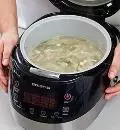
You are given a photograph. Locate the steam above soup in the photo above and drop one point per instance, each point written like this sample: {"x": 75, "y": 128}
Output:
{"x": 65, "y": 54}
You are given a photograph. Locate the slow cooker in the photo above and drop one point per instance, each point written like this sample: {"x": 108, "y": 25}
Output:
{"x": 42, "y": 99}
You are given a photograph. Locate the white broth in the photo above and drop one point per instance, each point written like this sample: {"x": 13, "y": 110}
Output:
{"x": 65, "y": 54}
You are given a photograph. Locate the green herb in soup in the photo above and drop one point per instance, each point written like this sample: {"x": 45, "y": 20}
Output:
{"x": 65, "y": 54}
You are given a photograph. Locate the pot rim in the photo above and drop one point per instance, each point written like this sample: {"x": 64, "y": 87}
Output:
{"x": 90, "y": 3}
{"x": 59, "y": 17}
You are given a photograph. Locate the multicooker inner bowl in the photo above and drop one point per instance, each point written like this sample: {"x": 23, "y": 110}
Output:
{"x": 67, "y": 25}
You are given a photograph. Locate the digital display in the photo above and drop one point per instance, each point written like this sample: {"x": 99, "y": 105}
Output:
{"x": 40, "y": 100}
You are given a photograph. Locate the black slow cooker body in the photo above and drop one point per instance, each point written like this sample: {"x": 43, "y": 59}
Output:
{"x": 56, "y": 100}
{"x": 60, "y": 100}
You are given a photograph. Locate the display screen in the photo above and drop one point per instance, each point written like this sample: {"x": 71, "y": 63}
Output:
{"x": 40, "y": 100}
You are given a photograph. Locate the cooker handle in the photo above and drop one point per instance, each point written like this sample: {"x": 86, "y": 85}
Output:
{"x": 44, "y": 73}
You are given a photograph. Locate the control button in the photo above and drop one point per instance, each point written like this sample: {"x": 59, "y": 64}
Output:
{"x": 15, "y": 97}
{"x": 67, "y": 96}
{"x": 19, "y": 105}
{"x": 32, "y": 111}
{"x": 16, "y": 84}
{"x": 56, "y": 114}
{"x": 16, "y": 90}
{"x": 43, "y": 113}
{"x": 15, "y": 87}
{"x": 65, "y": 109}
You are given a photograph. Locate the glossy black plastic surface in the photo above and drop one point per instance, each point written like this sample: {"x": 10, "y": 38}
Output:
{"x": 94, "y": 12}
{"x": 57, "y": 101}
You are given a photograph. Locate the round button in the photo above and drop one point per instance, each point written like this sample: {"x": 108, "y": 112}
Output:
{"x": 43, "y": 113}
{"x": 67, "y": 96}
{"x": 56, "y": 114}
{"x": 32, "y": 111}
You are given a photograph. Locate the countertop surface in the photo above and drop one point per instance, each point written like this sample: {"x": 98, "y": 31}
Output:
{"x": 108, "y": 119}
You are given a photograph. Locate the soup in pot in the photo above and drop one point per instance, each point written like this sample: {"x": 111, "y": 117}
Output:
{"x": 65, "y": 54}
